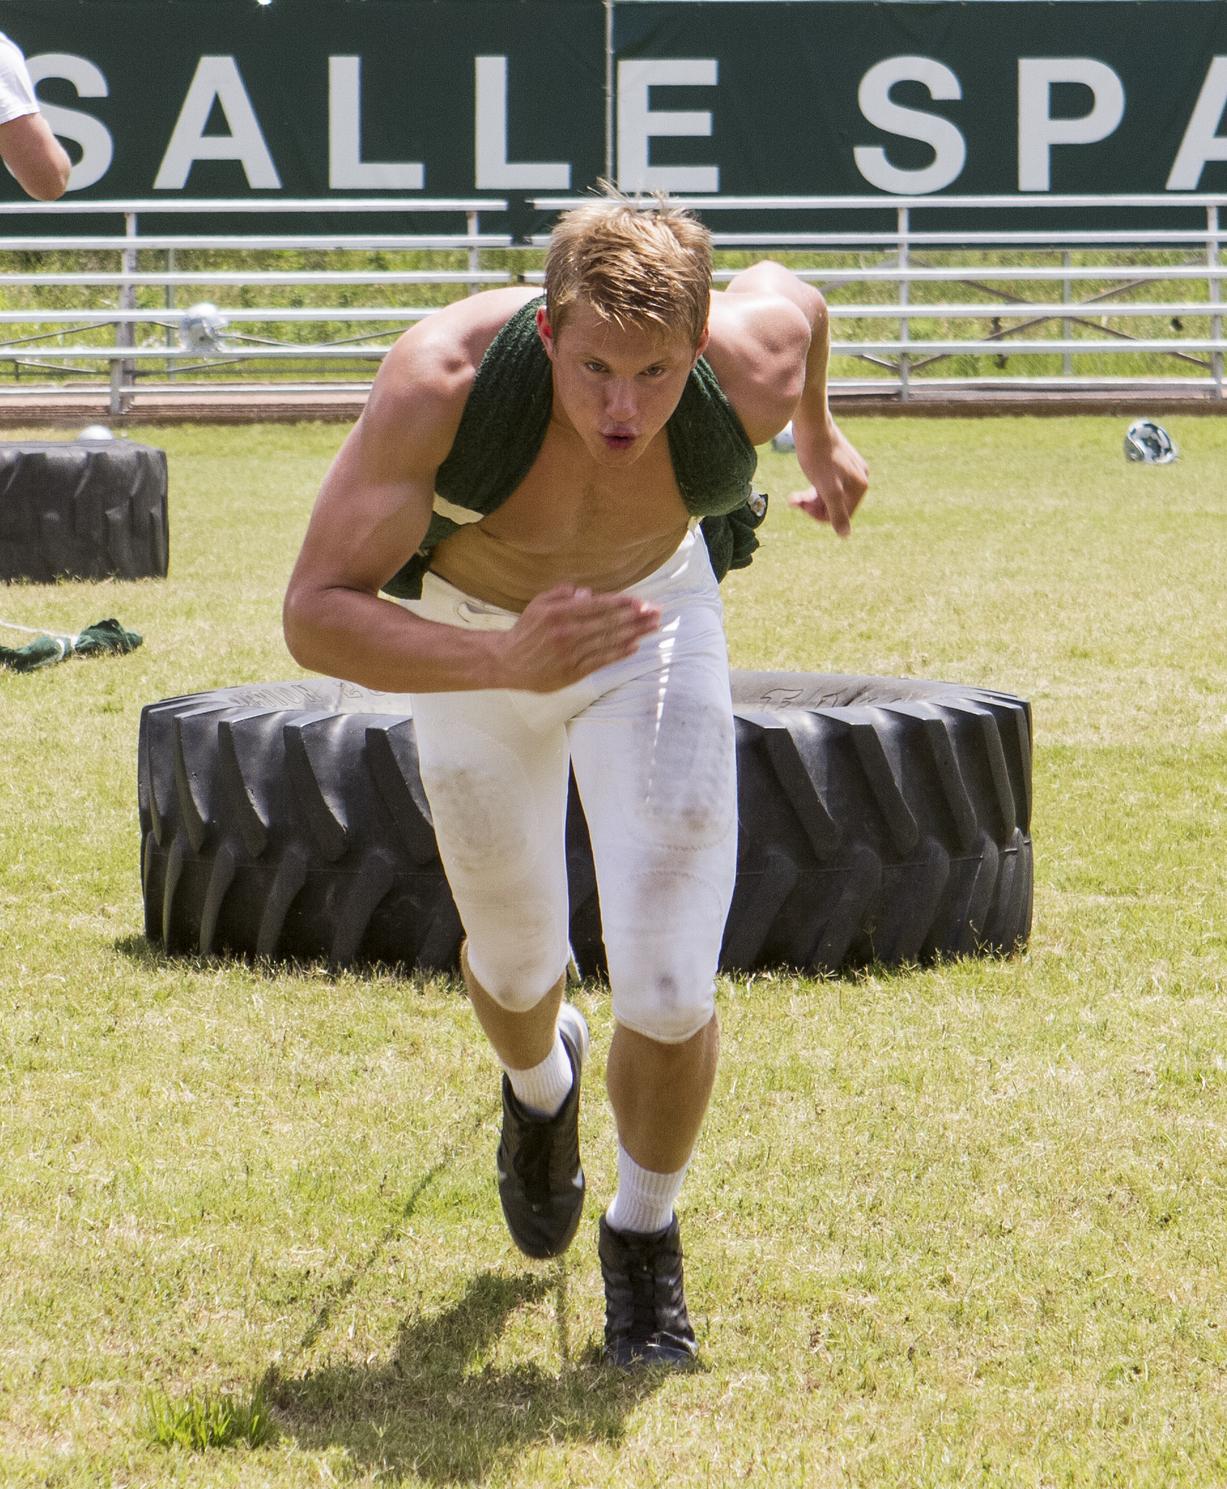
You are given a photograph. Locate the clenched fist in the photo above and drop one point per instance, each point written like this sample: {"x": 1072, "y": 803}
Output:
{"x": 566, "y": 633}
{"x": 838, "y": 474}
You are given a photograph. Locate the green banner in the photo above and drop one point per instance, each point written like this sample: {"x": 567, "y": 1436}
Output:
{"x": 521, "y": 98}
{"x": 916, "y": 99}
{"x": 315, "y": 98}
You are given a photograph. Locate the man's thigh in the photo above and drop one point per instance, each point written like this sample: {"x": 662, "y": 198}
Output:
{"x": 497, "y": 790}
{"x": 656, "y": 767}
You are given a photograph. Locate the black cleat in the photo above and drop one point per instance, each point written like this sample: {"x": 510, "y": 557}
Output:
{"x": 645, "y": 1308}
{"x": 540, "y": 1178}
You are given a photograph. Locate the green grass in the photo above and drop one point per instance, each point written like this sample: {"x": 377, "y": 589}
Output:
{"x": 950, "y": 1226}
{"x": 201, "y": 1421}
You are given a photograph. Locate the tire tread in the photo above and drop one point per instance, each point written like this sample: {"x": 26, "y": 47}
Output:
{"x": 880, "y": 820}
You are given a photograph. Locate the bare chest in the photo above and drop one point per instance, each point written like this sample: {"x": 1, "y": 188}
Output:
{"x": 571, "y": 522}
{"x": 566, "y": 503}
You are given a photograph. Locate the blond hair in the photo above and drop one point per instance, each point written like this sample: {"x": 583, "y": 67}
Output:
{"x": 641, "y": 266}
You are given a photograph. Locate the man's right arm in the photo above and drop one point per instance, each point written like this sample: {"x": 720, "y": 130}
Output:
{"x": 370, "y": 517}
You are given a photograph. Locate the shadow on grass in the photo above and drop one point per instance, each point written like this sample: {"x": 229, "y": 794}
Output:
{"x": 142, "y": 950}
{"x": 437, "y": 1406}
{"x": 439, "y": 1409}
{"x": 152, "y": 954}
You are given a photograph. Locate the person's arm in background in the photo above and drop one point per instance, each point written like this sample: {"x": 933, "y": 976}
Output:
{"x": 27, "y": 146}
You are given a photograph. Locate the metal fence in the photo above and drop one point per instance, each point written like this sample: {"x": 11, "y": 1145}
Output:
{"x": 127, "y": 349}
{"x": 927, "y": 294}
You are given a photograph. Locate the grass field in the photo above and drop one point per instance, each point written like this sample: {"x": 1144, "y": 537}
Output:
{"x": 948, "y": 1226}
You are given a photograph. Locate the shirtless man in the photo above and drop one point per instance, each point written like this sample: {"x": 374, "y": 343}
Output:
{"x": 27, "y": 146}
{"x": 541, "y": 467}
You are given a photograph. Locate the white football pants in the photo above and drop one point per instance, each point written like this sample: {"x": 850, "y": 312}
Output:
{"x": 650, "y": 739}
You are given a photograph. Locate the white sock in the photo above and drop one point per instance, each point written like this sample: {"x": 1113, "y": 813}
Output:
{"x": 542, "y": 1089}
{"x": 644, "y": 1201}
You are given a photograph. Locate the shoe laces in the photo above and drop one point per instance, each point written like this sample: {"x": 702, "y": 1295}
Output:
{"x": 653, "y": 1288}
{"x": 532, "y": 1161}
{"x": 642, "y": 1278}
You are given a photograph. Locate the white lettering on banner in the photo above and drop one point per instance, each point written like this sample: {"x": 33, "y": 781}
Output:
{"x": 97, "y": 147}
{"x": 944, "y": 138}
{"x": 1038, "y": 131}
{"x": 346, "y": 168}
{"x": 1201, "y": 143}
{"x": 217, "y": 80}
{"x": 492, "y": 170}
{"x": 218, "y": 86}
{"x": 638, "y": 124}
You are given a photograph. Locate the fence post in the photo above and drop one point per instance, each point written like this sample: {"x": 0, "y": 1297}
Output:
{"x": 905, "y": 330}
{"x": 1214, "y": 287}
{"x": 122, "y": 369}
{"x": 1067, "y": 328}
{"x": 171, "y": 297}
{"x": 609, "y": 92}
{"x": 470, "y": 223}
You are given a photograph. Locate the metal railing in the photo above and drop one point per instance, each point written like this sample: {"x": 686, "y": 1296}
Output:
{"x": 889, "y": 273}
{"x": 36, "y": 340}
{"x": 917, "y": 306}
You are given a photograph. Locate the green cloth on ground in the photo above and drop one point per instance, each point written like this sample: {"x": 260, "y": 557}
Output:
{"x": 94, "y": 641}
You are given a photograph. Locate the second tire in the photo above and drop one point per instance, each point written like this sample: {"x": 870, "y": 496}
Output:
{"x": 82, "y": 509}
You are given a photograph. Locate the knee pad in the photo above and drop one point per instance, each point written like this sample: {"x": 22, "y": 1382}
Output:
{"x": 516, "y": 985}
{"x": 664, "y": 1006}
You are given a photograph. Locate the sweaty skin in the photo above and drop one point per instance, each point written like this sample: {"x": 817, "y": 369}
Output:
{"x": 598, "y": 510}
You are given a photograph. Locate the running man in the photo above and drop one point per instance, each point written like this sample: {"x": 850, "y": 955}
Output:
{"x": 524, "y": 530}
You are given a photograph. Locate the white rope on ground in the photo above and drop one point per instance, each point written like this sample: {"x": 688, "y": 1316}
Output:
{"x": 11, "y": 625}
{"x": 70, "y": 636}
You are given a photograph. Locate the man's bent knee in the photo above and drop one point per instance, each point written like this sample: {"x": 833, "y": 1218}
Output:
{"x": 662, "y": 1008}
{"x": 517, "y": 984}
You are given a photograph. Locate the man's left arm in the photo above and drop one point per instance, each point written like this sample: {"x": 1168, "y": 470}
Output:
{"x": 835, "y": 469}
{"x": 27, "y": 146}
{"x": 837, "y": 473}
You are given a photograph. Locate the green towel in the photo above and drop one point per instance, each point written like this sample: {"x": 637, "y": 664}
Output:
{"x": 45, "y": 651}
{"x": 504, "y": 424}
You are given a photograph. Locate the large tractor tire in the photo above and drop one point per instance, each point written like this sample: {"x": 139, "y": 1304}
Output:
{"x": 881, "y": 820}
{"x": 83, "y": 509}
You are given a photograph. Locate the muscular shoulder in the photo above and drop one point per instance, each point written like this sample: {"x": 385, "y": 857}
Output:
{"x": 759, "y": 343}
{"x": 442, "y": 353}
{"x": 426, "y": 378}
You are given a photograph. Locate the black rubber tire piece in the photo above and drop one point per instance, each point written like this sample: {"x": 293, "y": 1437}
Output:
{"x": 881, "y": 820}
{"x": 82, "y": 509}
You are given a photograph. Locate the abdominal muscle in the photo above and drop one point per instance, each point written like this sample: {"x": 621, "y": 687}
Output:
{"x": 499, "y": 573}
{"x": 604, "y": 533}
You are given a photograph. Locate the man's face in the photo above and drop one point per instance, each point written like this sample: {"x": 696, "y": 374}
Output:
{"x": 615, "y": 387}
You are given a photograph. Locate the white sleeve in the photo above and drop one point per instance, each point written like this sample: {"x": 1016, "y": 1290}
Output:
{"x": 16, "y": 89}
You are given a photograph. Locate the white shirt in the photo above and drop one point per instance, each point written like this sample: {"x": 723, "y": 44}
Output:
{"x": 16, "y": 89}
